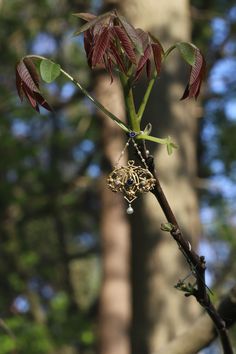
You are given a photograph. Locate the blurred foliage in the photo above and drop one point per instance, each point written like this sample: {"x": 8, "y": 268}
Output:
{"x": 49, "y": 254}
{"x": 215, "y": 31}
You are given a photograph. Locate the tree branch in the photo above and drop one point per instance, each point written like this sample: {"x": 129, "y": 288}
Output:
{"x": 202, "y": 332}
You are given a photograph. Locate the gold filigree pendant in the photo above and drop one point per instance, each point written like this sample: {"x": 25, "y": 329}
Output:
{"x": 131, "y": 180}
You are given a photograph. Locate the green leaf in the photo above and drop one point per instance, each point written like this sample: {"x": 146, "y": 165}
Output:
{"x": 187, "y": 51}
{"x": 49, "y": 70}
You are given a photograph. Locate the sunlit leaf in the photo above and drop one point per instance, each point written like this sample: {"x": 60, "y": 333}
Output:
{"x": 49, "y": 70}
{"x": 196, "y": 76}
{"x": 188, "y": 52}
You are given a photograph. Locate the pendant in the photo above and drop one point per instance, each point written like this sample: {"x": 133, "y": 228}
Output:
{"x": 131, "y": 180}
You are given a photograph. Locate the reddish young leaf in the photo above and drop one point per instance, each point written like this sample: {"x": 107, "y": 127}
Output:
{"x": 117, "y": 58}
{"x": 148, "y": 69}
{"x": 196, "y": 76}
{"x": 27, "y": 83}
{"x": 109, "y": 66}
{"x": 156, "y": 40}
{"x": 126, "y": 43}
{"x": 102, "y": 18}
{"x": 26, "y": 73}
{"x": 41, "y": 100}
{"x": 32, "y": 70}
{"x": 144, "y": 38}
{"x": 157, "y": 55}
{"x": 142, "y": 61}
{"x": 85, "y": 16}
{"x": 131, "y": 33}
{"x": 30, "y": 96}
{"x": 144, "y": 58}
{"x": 88, "y": 45}
{"x": 101, "y": 45}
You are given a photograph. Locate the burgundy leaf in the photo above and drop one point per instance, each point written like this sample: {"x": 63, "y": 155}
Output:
{"x": 143, "y": 60}
{"x": 102, "y": 18}
{"x": 126, "y": 43}
{"x": 131, "y": 33}
{"x": 25, "y": 74}
{"x": 88, "y": 45}
{"x": 32, "y": 70}
{"x": 27, "y": 84}
{"x": 85, "y": 16}
{"x": 19, "y": 83}
{"x": 155, "y": 40}
{"x": 100, "y": 46}
{"x": 157, "y": 55}
{"x": 117, "y": 58}
{"x": 97, "y": 29}
{"x": 31, "y": 97}
{"x": 109, "y": 65}
{"x": 196, "y": 76}
{"x": 144, "y": 37}
{"x": 41, "y": 100}
{"x": 148, "y": 68}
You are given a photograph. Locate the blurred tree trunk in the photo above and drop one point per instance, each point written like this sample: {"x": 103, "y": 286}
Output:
{"x": 114, "y": 311}
{"x": 159, "y": 311}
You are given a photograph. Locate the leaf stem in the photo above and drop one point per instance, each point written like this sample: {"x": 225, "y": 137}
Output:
{"x": 169, "y": 50}
{"x": 146, "y": 97}
{"x": 121, "y": 124}
{"x": 154, "y": 139}
{"x": 96, "y": 102}
{"x": 129, "y": 103}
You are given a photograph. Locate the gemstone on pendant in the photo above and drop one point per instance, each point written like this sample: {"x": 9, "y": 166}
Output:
{"x": 129, "y": 182}
{"x": 132, "y": 134}
{"x": 130, "y": 210}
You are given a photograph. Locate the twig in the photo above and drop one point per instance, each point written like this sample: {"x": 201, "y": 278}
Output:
{"x": 201, "y": 331}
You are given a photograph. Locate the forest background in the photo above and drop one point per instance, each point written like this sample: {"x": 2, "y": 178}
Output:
{"x": 72, "y": 279}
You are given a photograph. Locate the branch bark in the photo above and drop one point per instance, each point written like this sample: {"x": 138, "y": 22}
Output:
{"x": 203, "y": 332}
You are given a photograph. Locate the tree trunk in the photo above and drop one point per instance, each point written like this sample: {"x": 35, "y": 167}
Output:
{"x": 159, "y": 311}
{"x": 115, "y": 313}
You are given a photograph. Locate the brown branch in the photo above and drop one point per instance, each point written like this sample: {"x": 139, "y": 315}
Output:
{"x": 202, "y": 332}
{"x": 197, "y": 263}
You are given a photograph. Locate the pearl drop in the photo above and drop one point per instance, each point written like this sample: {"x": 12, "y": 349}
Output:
{"x": 130, "y": 210}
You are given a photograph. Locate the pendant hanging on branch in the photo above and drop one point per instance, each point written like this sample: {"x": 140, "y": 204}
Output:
{"x": 132, "y": 179}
